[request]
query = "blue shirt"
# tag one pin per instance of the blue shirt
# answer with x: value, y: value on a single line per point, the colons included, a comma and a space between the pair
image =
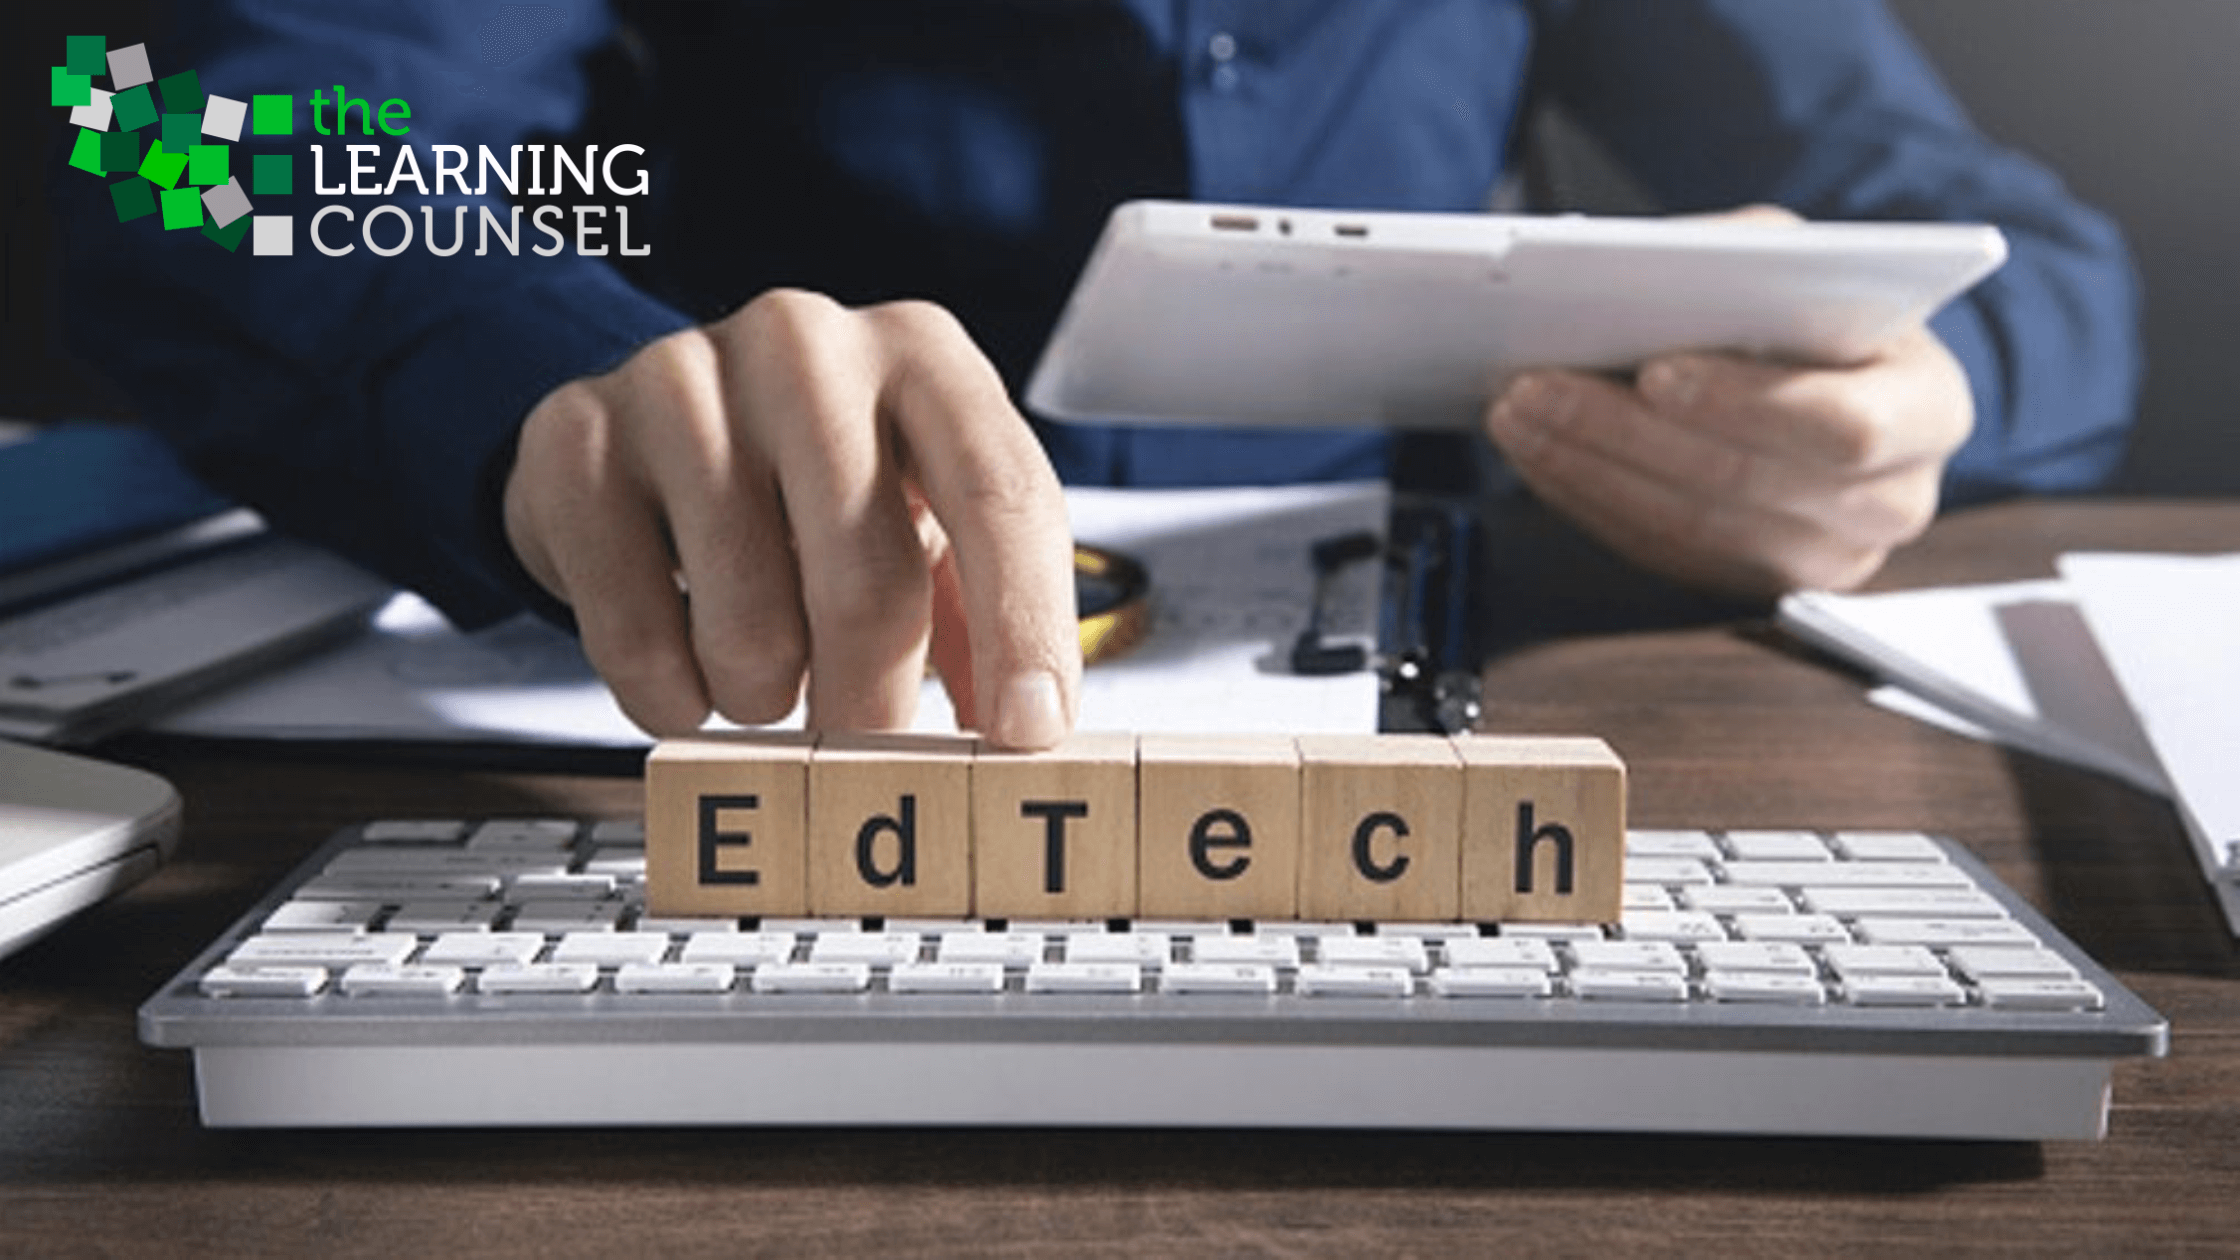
x: 968, y: 151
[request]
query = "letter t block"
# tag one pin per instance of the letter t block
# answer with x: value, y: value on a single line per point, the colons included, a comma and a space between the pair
x: 1054, y: 833
x: 1543, y: 829
x: 725, y: 824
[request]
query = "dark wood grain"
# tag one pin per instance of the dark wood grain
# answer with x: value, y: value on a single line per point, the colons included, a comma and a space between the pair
x: 101, y: 1153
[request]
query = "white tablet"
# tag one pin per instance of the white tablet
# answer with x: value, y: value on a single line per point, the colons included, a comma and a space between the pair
x: 1225, y: 314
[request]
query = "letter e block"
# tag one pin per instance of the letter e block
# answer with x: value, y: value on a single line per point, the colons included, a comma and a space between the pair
x: 1054, y: 833
x: 1217, y: 826
x: 1543, y: 829
x: 725, y: 825
x: 890, y: 825
x: 1380, y: 820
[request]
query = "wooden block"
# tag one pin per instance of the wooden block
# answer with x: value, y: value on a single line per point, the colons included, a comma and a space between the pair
x: 1217, y: 826
x: 1054, y: 833
x: 1380, y: 820
x: 1544, y: 829
x: 890, y: 825
x: 725, y: 819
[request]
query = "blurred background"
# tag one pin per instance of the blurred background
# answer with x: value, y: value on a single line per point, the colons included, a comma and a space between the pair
x: 2135, y: 103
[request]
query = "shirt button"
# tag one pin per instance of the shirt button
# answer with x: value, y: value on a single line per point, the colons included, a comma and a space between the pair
x: 1222, y: 47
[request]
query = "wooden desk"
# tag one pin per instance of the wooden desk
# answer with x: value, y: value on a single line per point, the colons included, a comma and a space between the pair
x: 100, y: 1150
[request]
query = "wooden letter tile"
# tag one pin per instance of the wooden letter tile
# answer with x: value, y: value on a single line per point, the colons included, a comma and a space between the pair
x: 890, y: 825
x: 1544, y: 827
x: 725, y: 824
x: 1218, y: 826
x: 1054, y: 833
x: 1380, y: 827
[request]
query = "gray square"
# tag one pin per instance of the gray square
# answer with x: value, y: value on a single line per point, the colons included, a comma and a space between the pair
x: 226, y: 202
x: 128, y: 68
x: 273, y: 234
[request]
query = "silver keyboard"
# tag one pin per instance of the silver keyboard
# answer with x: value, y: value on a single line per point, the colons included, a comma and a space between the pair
x: 438, y: 973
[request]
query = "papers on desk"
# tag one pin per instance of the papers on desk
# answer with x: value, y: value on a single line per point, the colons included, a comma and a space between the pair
x: 2128, y: 664
x: 1231, y: 584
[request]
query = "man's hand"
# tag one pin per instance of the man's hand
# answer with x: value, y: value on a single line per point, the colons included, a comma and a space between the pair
x: 805, y: 489
x: 1743, y: 476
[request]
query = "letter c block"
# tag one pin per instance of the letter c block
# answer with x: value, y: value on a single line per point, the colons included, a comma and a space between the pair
x: 1380, y: 819
x: 725, y: 821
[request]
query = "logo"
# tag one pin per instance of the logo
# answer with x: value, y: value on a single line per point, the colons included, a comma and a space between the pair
x: 167, y: 146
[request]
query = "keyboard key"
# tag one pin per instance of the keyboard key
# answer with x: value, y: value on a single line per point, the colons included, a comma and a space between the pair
x: 682, y: 926
x: 1945, y: 932
x: 1551, y: 932
x: 560, y: 885
x: 619, y: 862
x: 1903, y: 991
x: 1070, y: 977
x: 322, y: 916
x: 1265, y: 951
x: 1803, y: 929
x: 412, y: 980
x: 1325, y: 980
x: 1669, y: 844
x: 544, y: 977
x: 1139, y: 948
x: 413, y: 831
x: 676, y: 977
x: 1758, y: 957
x: 1300, y: 928
x: 393, y: 889
x: 1671, y: 925
x: 1849, y: 874
x: 1628, y: 956
x: 1617, y: 984
x: 1006, y: 949
x: 313, y: 949
x: 1403, y: 952
x: 1917, y: 903
x: 739, y: 949
x: 1764, y: 986
x: 1231, y: 978
x: 1777, y: 846
x: 1646, y: 897
x: 1888, y: 846
x: 1501, y: 951
x: 567, y: 916
x: 811, y: 977
x: 1430, y: 933
x: 2018, y: 994
x: 431, y: 917
x: 1855, y: 961
x: 2011, y: 962
x: 223, y: 981
x: 611, y: 949
x: 484, y: 949
x: 877, y: 949
x: 1490, y: 982
x: 946, y: 977
x: 439, y: 861
x: 1668, y: 871
x: 619, y: 831
x: 1727, y: 899
x: 501, y: 833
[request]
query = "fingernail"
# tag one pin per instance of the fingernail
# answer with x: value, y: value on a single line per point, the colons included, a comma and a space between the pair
x: 1030, y: 712
x: 1671, y: 383
x: 1528, y: 399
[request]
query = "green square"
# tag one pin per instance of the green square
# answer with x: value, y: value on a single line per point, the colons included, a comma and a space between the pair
x: 161, y: 167
x: 230, y: 235
x: 134, y: 108
x: 181, y: 131
x: 86, y: 153
x: 272, y: 115
x: 88, y: 54
x: 120, y: 150
x: 65, y: 88
x: 206, y: 164
x: 182, y: 208
x: 272, y: 174
x: 135, y: 198
x: 182, y: 93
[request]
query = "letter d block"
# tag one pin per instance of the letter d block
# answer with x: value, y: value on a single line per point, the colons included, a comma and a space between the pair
x: 1054, y: 833
x: 890, y: 825
x: 1543, y: 829
x: 1380, y: 820
x: 725, y: 826
x: 1218, y: 826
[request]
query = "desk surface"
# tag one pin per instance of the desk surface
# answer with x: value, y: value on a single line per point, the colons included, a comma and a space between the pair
x: 100, y: 1150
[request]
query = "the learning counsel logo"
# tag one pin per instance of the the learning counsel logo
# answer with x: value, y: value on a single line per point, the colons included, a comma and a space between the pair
x: 176, y: 161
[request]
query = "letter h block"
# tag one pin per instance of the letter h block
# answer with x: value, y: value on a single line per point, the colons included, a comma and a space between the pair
x: 890, y: 825
x: 1218, y: 826
x: 726, y: 820
x: 1543, y: 829
x: 1380, y: 820
x: 1054, y: 833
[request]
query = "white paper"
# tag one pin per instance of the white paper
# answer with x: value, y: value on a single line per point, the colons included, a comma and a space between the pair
x: 1231, y: 583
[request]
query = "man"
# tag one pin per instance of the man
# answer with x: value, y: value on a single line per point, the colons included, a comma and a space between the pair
x: 778, y: 450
